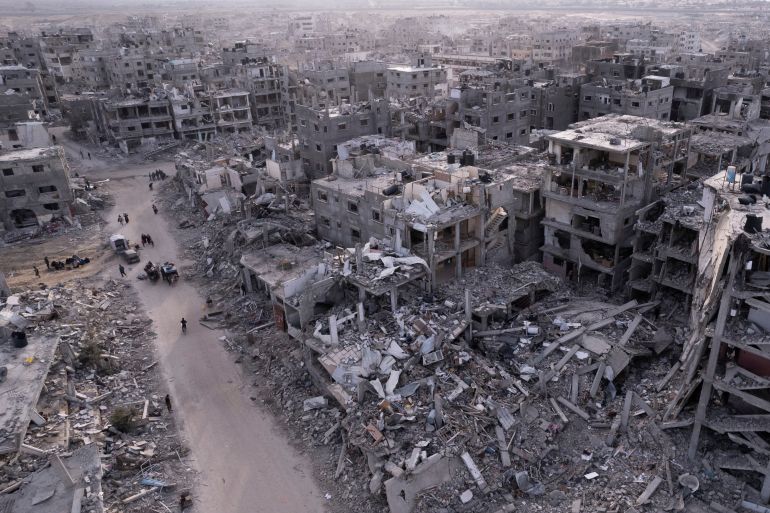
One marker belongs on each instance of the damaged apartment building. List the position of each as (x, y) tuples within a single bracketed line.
[(320, 130), (648, 97), (439, 207), (34, 183), (161, 117), (603, 171)]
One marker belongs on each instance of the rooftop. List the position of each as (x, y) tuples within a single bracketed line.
[(381, 179), (30, 154), (281, 263), (717, 143), (617, 133)]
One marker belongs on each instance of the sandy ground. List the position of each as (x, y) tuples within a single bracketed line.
[(246, 464)]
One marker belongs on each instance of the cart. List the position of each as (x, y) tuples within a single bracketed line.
[(152, 271), (169, 272)]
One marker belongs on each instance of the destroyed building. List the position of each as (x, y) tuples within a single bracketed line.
[(556, 102), (604, 171), (320, 130), (23, 86), (648, 97), (418, 78), (667, 248), (58, 50), (132, 123), (499, 107), (35, 187), (694, 86)]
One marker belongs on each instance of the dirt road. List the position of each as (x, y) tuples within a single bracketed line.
[(246, 464)]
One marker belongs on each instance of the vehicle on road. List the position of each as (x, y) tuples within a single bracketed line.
[(122, 246)]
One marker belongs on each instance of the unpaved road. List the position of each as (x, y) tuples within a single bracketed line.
[(246, 463)]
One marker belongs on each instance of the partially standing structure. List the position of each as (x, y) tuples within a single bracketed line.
[(604, 171)]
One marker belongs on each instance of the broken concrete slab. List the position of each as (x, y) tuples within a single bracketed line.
[(402, 492), (27, 370)]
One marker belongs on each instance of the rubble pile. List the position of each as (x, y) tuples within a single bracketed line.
[(103, 391), (542, 414)]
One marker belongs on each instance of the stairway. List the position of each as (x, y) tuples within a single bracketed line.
[(494, 222), (494, 244)]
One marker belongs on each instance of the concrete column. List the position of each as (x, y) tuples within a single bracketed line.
[(468, 316), (394, 299), (459, 258), (359, 258), (361, 294), (333, 330), (360, 317), (247, 279), (625, 178)]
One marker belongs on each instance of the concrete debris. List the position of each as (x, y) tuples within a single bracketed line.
[(86, 414)]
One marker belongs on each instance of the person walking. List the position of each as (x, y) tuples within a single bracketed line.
[(47, 263), (125, 216), (81, 154), (154, 209), (122, 270), (150, 185), (89, 155), (144, 240), (184, 325), (120, 219), (37, 273), (150, 241), (168, 403)]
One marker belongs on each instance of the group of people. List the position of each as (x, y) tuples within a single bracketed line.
[(158, 175), (146, 239), (123, 219)]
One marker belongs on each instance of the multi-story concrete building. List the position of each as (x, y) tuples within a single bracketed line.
[(650, 97), (179, 72), (651, 50), (694, 86), (272, 103), (92, 67), (556, 102), (58, 50), (243, 52), (232, 111), (27, 83), (420, 78), (554, 46), (34, 187), (367, 78), (302, 26), (687, 41), (592, 50), (500, 107), (325, 83), (622, 66), (25, 50), (320, 130), (193, 117), (133, 123), (604, 170), (133, 69)]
